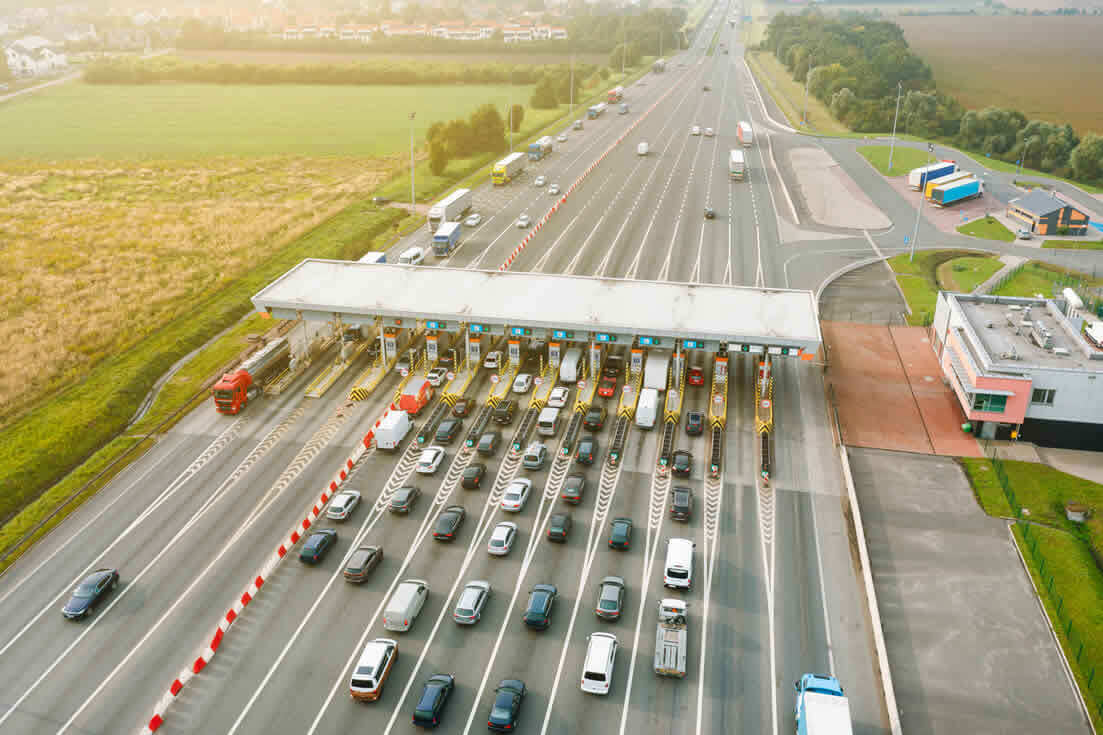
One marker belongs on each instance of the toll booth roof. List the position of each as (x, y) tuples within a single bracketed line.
[(321, 289)]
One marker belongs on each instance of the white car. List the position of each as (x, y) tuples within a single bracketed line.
[(553, 189), (430, 460), (522, 383), (342, 505), (469, 608), (523, 221), (709, 132), (501, 541), (436, 376), (696, 130), (493, 360), (516, 495), (559, 396), (561, 138), (540, 181), (473, 220)]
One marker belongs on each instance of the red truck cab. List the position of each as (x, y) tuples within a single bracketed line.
[(415, 395), (231, 392)]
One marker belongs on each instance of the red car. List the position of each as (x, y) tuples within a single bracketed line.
[(607, 388), (696, 375)]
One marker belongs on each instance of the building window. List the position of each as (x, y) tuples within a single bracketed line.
[(1043, 396), (988, 402)]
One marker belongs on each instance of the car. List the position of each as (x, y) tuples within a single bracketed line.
[(360, 564), (535, 349), (695, 423), (706, 88), (472, 478), (469, 607), (695, 375), (448, 430), (342, 505), (488, 443), (610, 598), (559, 526), (90, 592), (681, 463), (558, 396), (402, 364), (1023, 234), (503, 412), (535, 456), (507, 705), (577, 125), (607, 386), (404, 498), (709, 132), (473, 221), (447, 359), (554, 189), (595, 417), (710, 213), (501, 539), (434, 697), (696, 130), (317, 545), (522, 383), (561, 138), (540, 181), (449, 522), (430, 459), (574, 487), (516, 495), (538, 611), (681, 503), (620, 533), (493, 360), (523, 221), (380, 200), (462, 407), (436, 376), (614, 365), (587, 450)]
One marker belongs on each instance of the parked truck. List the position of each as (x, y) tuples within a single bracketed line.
[(507, 169), (918, 177), (655, 370), (415, 395), (616, 94), (540, 148), (957, 191), (596, 111), (446, 238), (659, 66), (235, 389), (822, 708), (942, 180), (737, 165), (670, 639), (450, 209), (745, 133)]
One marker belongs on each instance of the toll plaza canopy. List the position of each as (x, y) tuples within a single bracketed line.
[(577, 308)]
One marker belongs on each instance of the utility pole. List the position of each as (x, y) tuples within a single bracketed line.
[(807, 76), (892, 146), (919, 210), (511, 108), (623, 44), (1022, 158), (413, 200), (571, 108)]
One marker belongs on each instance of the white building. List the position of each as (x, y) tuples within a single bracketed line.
[(34, 56)]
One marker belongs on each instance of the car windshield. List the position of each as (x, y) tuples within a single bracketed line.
[(497, 542), (538, 601), (513, 496), (594, 676), (677, 574), (471, 473), (85, 589), (608, 602), (464, 612)]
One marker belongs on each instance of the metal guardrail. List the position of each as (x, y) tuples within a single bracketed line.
[(620, 437), (571, 435), (428, 429), (482, 418), (527, 422), (716, 452)]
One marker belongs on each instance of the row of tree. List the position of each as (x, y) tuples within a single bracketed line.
[(554, 87), (483, 132), (655, 32)]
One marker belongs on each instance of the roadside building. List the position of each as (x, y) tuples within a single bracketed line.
[(1044, 213)]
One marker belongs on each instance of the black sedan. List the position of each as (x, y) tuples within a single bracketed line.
[(587, 449), (595, 417), (682, 463), (404, 498), (538, 612), (507, 705), (620, 535), (462, 408), (559, 525), (90, 592), (681, 503), (430, 706), (317, 545), (449, 522), (448, 430), (473, 476)]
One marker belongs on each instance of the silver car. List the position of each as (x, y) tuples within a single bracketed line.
[(540, 181), (562, 138), (516, 495), (472, 600), (501, 541), (553, 189), (342, 505), (523, 221)]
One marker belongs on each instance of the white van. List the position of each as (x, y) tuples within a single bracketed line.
[(377, 256), (412, 256), (392, 430), (641, 149), (568, 368), (405, 604), (372, 669), (647, 408), (547, 424), (678, 570), (597, 671)]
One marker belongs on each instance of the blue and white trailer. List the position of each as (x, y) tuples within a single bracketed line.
[(822, 708), (956, 192), (918, 177), (446, 238)]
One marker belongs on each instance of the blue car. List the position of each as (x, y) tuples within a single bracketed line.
[(317, 545), (90, 592)]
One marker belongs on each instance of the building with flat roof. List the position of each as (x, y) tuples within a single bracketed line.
[(1021, 368), (1044, 213)]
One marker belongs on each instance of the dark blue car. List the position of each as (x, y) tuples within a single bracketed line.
[(90, 592), (317, 545), (507, 705)]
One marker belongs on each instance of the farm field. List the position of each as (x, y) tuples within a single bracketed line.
[(1050, 67), (290, 58)]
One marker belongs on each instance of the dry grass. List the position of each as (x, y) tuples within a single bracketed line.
[(95, 255)]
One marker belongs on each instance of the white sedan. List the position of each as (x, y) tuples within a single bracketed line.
[(562, 138), (709, 132), (523, 221), (516, 495), (436, 376), (522, 383), (559, 396), (501, 541), (696, 130), (540, 181), (342, 505), (430, 460), (553, 189), (493, 360), (473, 220)]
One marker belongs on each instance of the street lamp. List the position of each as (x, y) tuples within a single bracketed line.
[(511, 108), (919, 210), (1022, 158), (892, 146), (413, 200)]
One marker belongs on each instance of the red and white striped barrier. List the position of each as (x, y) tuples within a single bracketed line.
[(265, 572)]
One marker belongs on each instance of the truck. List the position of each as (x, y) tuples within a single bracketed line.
[(642, 149), (376, 256), (235, 389), (540, 148), (623, 109), (822, 708), (392, 429), (595, 111), (450, 209), (655, 370), (415, 395), (670, 639), (941, 180), (918, 177), (616, 94), (957, 191), (745, 133), (507, 169), (659, 66), (737, 164), (446, 239)]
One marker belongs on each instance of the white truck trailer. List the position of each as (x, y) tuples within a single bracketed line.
[(450, 209), (822, 708), (655, 370)]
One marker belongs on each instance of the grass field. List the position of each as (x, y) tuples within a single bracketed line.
[(964, 274), (789, 96), (1071, 245), (1036, 277), (920, 279), (904, 159), (1043, 66), (987, 229), (292, 58)]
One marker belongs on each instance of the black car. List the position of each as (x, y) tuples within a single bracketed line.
[(89, 592), (507, 705), (595, 417), (559, 525), (682, 463), (447, 360), (706, 88), (449, 522), (538, 613), (404, 498), (488, 443), (473, 476), (614, 364), (574, 487), (362, 561), (681, 503), (587, 449), (317, 545), (448, 430), (462, 408), (503, 412), (695, 423), (620, 533), (433, 698)]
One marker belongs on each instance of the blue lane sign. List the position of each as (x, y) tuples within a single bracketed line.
[(477, 328), (562, 334), (605, 338), (649, 341), (691, 344), (434, 325)]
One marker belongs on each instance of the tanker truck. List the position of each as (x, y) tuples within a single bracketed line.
[(235, 389)]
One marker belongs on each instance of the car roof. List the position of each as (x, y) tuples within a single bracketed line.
[(454, 509), (613, 580), (559, 517)]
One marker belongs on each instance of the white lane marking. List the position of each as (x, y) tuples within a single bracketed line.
[(760, 279)]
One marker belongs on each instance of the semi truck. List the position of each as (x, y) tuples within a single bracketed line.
[(616, 94), (941, 180), (235, 389), (507, 169), (596, 111), (540, 148), (670, 639), (655, 370), (450, 209), (737, 165), (659, 66), (956, 192), (446, 239), (745, 133), (918, 177), (822, 708), (415, 395)]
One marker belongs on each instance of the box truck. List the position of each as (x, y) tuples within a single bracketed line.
[(541, 148), (659, 66), (642, 149), (737, 165), (655, 369), (822, 708), (392, 430), (507, 169), (616, 94), (956, 192), (596, 111), (447, 238), (415, 394), (745, 134), (918, 177), (450, 209)]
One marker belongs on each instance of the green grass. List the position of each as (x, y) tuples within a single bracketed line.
[(789, 96), (919, 279), (964, 274), (1026, 184), (1010, 168), (986, 487), (904, 159), (1035, 277), (987, 229), (1072, 245)]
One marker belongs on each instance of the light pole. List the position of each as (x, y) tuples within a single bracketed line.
[(807, 76), (570, 111), (1022, 158), (892, 145), (623, 45), (919, 210), (413, 201), (511, 108)]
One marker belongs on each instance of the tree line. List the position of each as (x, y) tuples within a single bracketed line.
[(484, 131), (856, 66)]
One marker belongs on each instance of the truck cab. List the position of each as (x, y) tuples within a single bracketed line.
[(821, 706)]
